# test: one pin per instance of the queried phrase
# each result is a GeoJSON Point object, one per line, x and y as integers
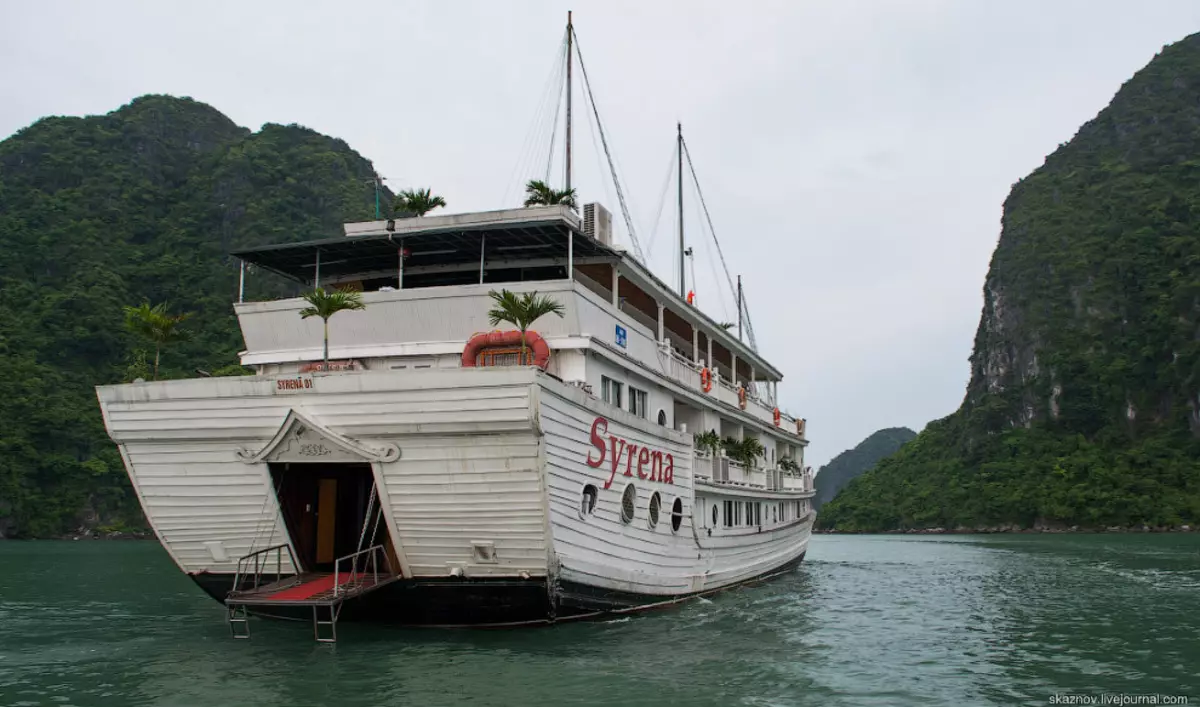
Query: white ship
{"type": "Point", "coordinates": [431, 475]}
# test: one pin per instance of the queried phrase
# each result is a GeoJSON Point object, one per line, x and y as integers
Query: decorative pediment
{"type": "Point", "coordinates": [300, 439]}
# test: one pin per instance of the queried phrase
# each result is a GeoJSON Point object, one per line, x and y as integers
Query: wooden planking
{"type": "Point", "coordinates": [448, 491]}
{"type": "Point", "coordinates": [181, 440]}
{"type": "Point", "coordinates": [603, 551]}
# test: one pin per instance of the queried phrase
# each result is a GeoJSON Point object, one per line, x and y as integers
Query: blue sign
{"type": "Point", "coordinates": [622, 337]}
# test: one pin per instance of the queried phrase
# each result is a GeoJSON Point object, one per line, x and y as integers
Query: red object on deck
{"type": "Point", "coordinates": [309, 589]}
{"type": "Point", "coordinates": [479, 342]}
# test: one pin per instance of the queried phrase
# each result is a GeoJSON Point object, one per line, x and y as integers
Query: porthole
{"type": "Point", "coordinates": [587, 502]}
{"type": "Point", "coordinates": [655, 507]}
{"type": "Point", "coordinates": [715, 518]}
{"type": "Point", "coordinates": [628, 504]}
{"type": "Point", "coordinates": [676, 515]}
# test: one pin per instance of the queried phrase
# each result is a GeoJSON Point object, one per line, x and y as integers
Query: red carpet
{"type": "Point", "coordinates": [308, 590]}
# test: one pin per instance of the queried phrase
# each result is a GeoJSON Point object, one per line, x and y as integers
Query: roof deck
{"type": "Point", "coordinates": [535, 244]}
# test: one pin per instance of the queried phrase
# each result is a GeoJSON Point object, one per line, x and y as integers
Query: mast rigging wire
{"type": "Point", "coordinates": [724, 265]}
{"type": "Point", "coordinates": [608, 154]}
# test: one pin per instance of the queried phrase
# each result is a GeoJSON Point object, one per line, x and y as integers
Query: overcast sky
{"type": "Point", "coordinates": [854, 155]}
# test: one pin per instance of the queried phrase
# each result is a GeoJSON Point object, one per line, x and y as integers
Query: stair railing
{"type": "Point", "coordinates": [260, 561]}
{"type": "Point", "coordinates": [354, 576]}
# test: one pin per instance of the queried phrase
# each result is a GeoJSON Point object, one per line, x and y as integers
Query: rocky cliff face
{"type": "Point", "coordinates": [1084, 399]}
{"type": "Point", "coordinates": [101, 212]}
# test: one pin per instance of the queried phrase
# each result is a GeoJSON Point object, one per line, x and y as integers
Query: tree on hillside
{"type": "Point", "coordinates": [539, 193]}
{"type": "Point", "coordinates": [521, 311]}
{"type": "Point", "coordinates": [417, 201]}
{"type": "Point", "coordinates": [325, 304]}
{"type": "Point", "coordinates": [156, 325]}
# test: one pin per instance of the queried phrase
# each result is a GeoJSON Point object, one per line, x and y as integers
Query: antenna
{"type": "Point", "coordinates": [570, 41]}
{"type": "Point", "coordinates": [378, 180]}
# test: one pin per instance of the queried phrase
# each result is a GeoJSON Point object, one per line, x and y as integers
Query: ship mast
{"type": "Point", "coordinates": [679, 149]}
{"type": "Point", "coordinates": [570, 38]}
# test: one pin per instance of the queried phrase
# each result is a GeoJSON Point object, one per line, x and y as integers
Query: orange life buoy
{"type": "Point", "coordinates": [742, 397]}
{"type": "Point", "coordinates": [494, 339]}
{"type": "Point", "coordinates": [778, 417]}
{"type": "Point", "coordinates": [706, 380]}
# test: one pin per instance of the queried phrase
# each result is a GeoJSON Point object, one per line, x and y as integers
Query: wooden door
{"type": "Point", "coordinates": [326, 520]}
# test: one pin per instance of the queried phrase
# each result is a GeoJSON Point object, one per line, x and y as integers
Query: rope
{"type": "Point", "coordinates": [529, 159]}
{"type": "Point", "coordinates": [662, 202]}
{"type": "Point", "coordinates": [261, 512]}
{"type": "Point", "coordinates": [608, 154]}
{"type": "Point", "coordinates": [712, 231]}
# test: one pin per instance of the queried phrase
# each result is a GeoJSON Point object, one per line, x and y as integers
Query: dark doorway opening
{"type": "Point", "coordinates": [325, 507]}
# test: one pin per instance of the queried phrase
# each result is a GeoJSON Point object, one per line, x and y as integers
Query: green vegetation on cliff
{"type": "Point", "coordinates": [103, 212]}
{"type": "Point", "coordinates": [1084, 401]}
{"type": "Point", "coordinates": [851, 463]}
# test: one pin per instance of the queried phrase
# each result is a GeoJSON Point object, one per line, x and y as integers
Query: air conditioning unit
{"type": "Point", "coordinates": [597, 223]}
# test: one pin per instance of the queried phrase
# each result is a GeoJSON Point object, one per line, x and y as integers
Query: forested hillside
{"type": "Point", "coordinates": [852, 463]}
{"type": "Point", "coordinates": [1084, 401]}
{"type": "Point", "coordinates": [105, 211]}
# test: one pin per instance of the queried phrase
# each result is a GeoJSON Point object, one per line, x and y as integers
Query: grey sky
{"type": "Point", "coordinates": [855, 155]}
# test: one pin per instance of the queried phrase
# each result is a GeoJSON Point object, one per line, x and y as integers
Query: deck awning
{"type": "Point", "coordinates": [515, 242]}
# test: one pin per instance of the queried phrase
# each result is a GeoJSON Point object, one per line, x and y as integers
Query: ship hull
{"type": "Point", "coordinates": [452, 603]}
{"type": "Point", "coordinates": [498, 497]}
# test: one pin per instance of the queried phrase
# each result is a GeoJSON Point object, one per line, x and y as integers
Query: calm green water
{"type": "Point", "coordinates": [882, 620]}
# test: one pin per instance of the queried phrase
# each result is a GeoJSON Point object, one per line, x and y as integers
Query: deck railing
{"type": "Point", "coordinates": [260, 561]}
{"type": "Point", "coordinates": [370, 561]}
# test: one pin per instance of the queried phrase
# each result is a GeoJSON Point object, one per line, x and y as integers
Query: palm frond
{"type": "Point", "coordinates": [325, 304]}
{"type": "Point", "coordinates": [417, 201]}
{"type": "Point", "coordinates": [521, 310]}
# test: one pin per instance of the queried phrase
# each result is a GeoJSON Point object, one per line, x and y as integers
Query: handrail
{"type": "Point", "coordinates": [353, 574]}
{"type": "Point", "coordinates": [260, 565]}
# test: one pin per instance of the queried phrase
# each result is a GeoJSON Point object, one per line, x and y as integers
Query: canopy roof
{"type": "Point", "coordinates": [509, 236]}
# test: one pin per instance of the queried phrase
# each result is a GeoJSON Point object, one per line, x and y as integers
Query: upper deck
{"type": "Point", "coordinates": [426, 280]}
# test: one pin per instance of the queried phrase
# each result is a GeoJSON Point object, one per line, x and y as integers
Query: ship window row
{"type": "Point", "coordinates": [742, 513]}
{"type": "Point", "coordinates": [587, 506]}
{"type": "Point", "coordinates": [612, 392]}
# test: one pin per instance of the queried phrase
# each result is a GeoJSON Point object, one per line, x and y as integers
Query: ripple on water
{"type": "Point", "coordinates": [887, 620]}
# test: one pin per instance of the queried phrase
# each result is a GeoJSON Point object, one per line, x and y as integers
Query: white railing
{"type": "Point", "coordinates": [680, 369]}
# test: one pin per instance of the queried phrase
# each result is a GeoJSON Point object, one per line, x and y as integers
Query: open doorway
{"type": "Point", "coordinates": [325, 508]}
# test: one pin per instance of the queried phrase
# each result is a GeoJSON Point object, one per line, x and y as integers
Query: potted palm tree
{"type": "Point", "coordinates": [156, 325]}
{"type": "Point", "coordinates": [417, 201]}
{"type": "Point", "coordinates": [325, 304]}
{"type": "Point", "coordinates": [708, 442]}
{"type": "Point", "coordinates": [521, 311]}
{"type": "Point", "coordinates": [539, 193]}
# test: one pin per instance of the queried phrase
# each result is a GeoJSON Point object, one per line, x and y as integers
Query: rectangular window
{"type": "Point", "coordinates": [728, 514]}
{"type": "Point", "coordinates": [637, 402]}
{"type": "Point", "coordinates": [758, 514]}
{"type": "Point", "coordinates": [610, 391]}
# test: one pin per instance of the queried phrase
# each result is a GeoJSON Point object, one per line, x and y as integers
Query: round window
{"type": "Point", "coordinates": [715, 519]}
{"type": "Point", "coordinates": [676, 515]}
{"type": "Point", "coordinates": [587, 503]}
{"type": "Point", "coordinates": [628, 504]}
{"type": "Point", "coordinates": [655, 507]}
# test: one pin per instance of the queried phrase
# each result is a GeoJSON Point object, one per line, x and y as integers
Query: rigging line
{"type": "Point", "coordinates": [604, 140]}
{"type": "Point", "coordinates": [662, 202]}
{"type": "Point", "coordinates": [595, 146]}
{"type": "Point", "coordinates": [528, 147]}
{"type": "Point", "coordinates": [558, 103]}
{"type": "Point", "coordinates": [712, 231]}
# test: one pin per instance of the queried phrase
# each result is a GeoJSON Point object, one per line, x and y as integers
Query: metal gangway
{"type": "Point", "coordinates": [255, 585]}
